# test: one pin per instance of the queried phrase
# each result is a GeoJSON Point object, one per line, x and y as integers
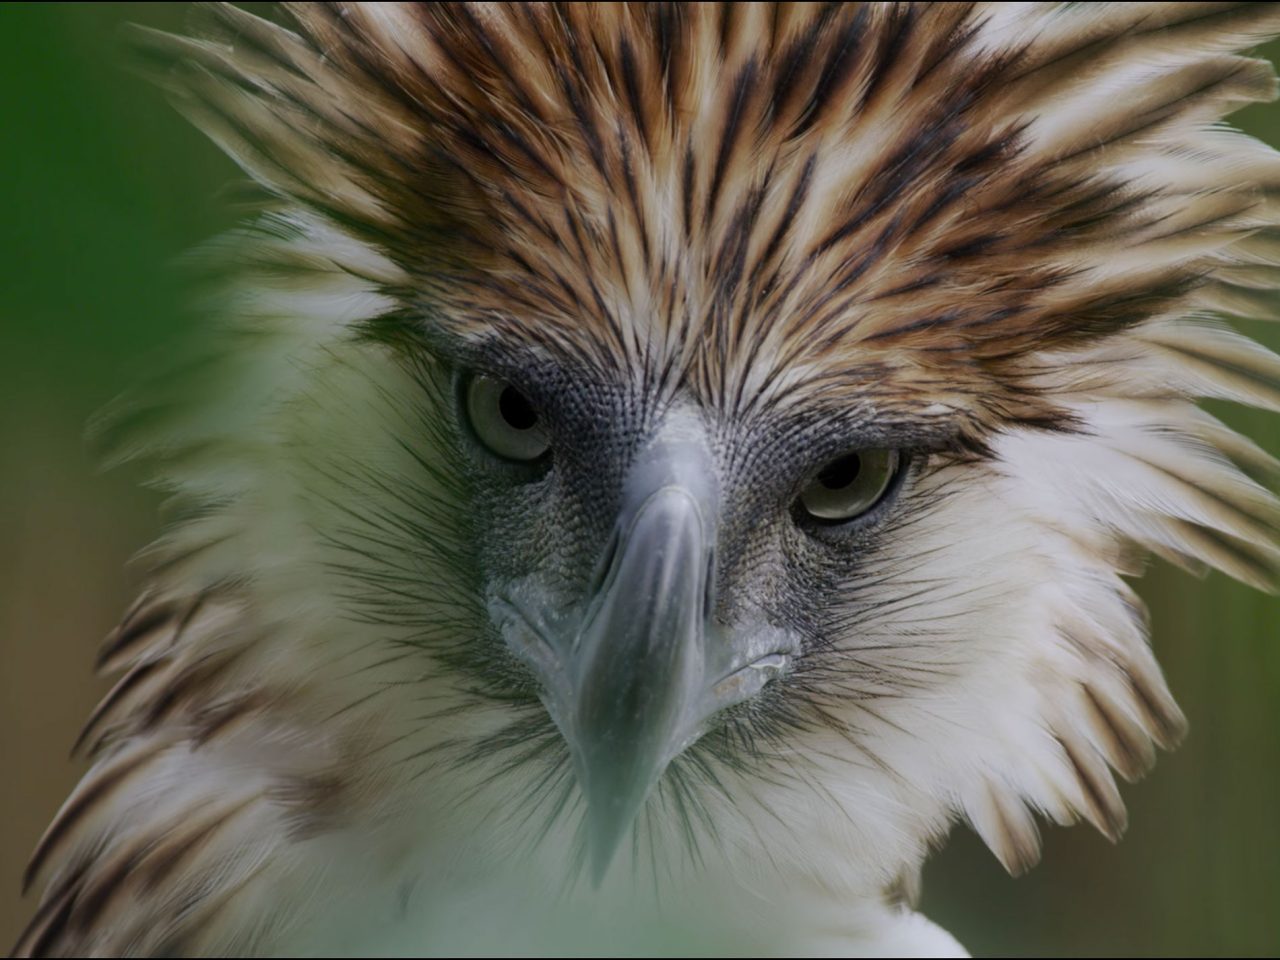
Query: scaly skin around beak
{"type": "Point", "coordinates": [640, 657]}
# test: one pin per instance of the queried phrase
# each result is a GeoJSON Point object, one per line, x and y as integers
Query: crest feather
{"type": "Point", "coordinates": [923, 196]}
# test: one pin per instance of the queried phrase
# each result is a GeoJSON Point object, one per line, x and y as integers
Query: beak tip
{"type": "Point", "coordinates": [599, 867]}
{"type": "Point", "coordinates": [605, 837]}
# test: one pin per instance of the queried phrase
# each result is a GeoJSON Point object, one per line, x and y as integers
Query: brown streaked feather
{"type": "Point", "coordinates": [1123, 741]}
{"type": "Point", "coordinates": [1257, 564]}
{"type": "Point", "coordinates": [98, 787]}
{"type": "Point", "coordinates": [1233, 363]}
{"type": "Point", "coordinates": [1008, 828]}
{"type": "Point", "coordinates": [164, 672]}
{"type": "Point", "coordinates": [1100, 801]}
{"type": "Point", "coordinates": [969, 178]}
{"type": "Point", "coordinates": [134, 871]}
{"type": "Point", "coordinates": [1130, 676]}
{"type": "Point", "coordinates": [147, 624]}
{"type": "Point", "coordinates": [1161, 717]}
{"type": "Point", "coordinates": [51, 916]}
{"type": "Point", "coordinates": [1251, 459]}
{"type": "Point", "coordinates": [171, 690]}
{"type": "Point", "coordinates": [144, 681]}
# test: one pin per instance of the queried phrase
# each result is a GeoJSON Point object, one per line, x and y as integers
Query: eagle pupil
{"type": "Point", "coordinates": [516, 410]}
{"type": "Point", "coordinates": [840, 473]}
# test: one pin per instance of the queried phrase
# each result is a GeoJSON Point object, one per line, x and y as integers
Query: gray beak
{"type": "Point", "coordinates": [641, 653]}
{"type": "Point", "coordinates": [633, 678]}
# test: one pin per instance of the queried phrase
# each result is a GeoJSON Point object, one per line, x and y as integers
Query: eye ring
{"type": "Point", "coordinates": [851, 486]}
{"type": "Point", "coordinates": [503, 419]}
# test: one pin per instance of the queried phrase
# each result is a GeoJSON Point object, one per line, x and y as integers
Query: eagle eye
{"type": "Point", "coordinates": [504, 420]}
{"type": "Point", "coordinates": [850, 485]}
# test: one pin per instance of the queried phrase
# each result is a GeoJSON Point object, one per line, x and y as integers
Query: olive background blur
{"type": "Point", "coordinates": [103, 185]}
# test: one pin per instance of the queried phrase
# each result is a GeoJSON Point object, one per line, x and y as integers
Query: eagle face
{"type": "Point", "coordinates": [673, 563]}
{"type": "Point", "coordinates": [673, 447]}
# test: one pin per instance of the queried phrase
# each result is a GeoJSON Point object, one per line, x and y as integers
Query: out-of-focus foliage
{"type": "Point", "coordinates": [102, 185]}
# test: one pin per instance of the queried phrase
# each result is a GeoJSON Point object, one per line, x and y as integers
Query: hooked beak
{"type": "Point", "coordinates": [640, 655]}
{"type": "Point", "coordinates": [647, 667]}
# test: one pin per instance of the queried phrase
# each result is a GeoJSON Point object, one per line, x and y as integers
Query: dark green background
{"type": "Point", "coordinates": [102, 185]}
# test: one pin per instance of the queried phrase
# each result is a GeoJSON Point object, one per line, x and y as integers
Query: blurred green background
{"type": "Point", "coordinates": [102, 185]}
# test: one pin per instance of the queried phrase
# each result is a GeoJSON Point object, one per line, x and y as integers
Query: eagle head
{"type": "Point", "coordinates": [706, 440]}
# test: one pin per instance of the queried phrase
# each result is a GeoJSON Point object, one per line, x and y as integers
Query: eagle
{"type": "Point", "coordinates": [654, 468]}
